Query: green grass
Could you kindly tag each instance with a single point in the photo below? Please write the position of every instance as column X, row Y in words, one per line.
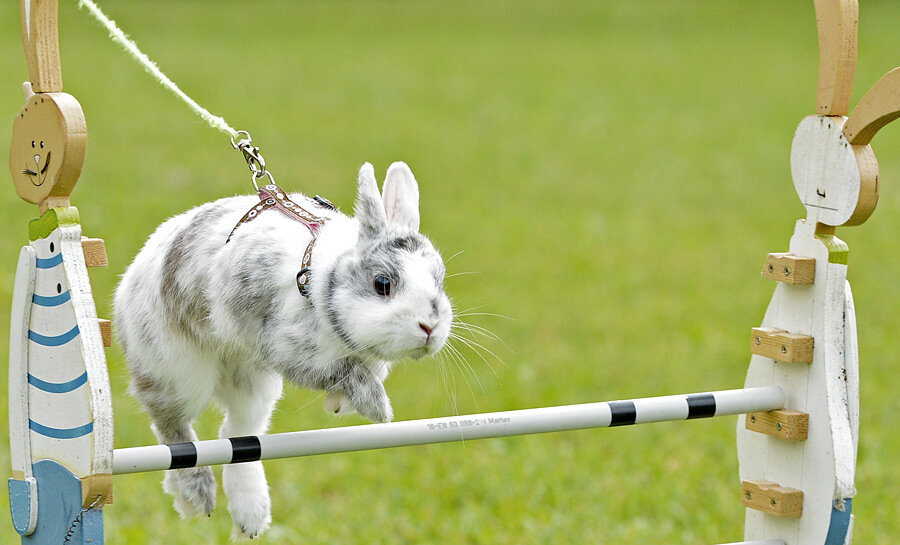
column 615, row 172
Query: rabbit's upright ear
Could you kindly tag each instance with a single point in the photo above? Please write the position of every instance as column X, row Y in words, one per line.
column 401, row 197
column 369, row 210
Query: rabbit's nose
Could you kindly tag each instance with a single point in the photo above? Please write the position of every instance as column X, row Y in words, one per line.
column 426, row 328
column 37, row 160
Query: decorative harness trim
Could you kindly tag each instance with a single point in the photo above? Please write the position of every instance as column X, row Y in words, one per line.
column 272, row 196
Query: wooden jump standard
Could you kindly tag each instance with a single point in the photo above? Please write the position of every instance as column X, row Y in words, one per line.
column 796, row 444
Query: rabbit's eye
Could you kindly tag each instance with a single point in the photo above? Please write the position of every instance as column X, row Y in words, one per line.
column 382, row 285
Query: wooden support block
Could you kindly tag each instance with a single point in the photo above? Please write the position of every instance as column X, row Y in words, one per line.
column 783, row 423
column 781, row 345
column 789, row 268
column 94, row 252
column 105, row 331
column 96, row 489
column 772, row 498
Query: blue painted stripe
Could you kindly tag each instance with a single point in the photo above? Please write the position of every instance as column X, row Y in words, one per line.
column 840, row 522
column 54, row 301
column 59, row 340
column 50, row 262
column 57, row 387
column 60, row 433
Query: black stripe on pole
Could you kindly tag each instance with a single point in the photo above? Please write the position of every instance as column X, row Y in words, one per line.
column 183, row 455
column 245, row 449
column 701, row 406
column 622, row 413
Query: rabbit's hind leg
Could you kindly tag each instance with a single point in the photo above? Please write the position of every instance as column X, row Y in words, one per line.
column 248, row 397
column 172, row 411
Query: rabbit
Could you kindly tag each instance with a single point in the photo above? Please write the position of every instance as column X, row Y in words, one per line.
column 200, row 320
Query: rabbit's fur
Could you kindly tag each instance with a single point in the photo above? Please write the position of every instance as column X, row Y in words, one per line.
column 202, row 321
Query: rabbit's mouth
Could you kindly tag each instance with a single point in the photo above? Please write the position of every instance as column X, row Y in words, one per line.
column 420, row 352
column 38, row 177
column 431, row 347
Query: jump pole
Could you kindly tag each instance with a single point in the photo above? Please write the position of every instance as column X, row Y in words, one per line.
column 447, row 429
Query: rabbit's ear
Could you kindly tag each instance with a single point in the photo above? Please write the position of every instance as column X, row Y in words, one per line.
column 401, row 197
column 369, row 210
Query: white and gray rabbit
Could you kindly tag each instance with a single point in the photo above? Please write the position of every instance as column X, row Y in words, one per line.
column 203, row 321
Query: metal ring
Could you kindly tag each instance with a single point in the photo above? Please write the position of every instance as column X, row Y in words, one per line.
column 237, row 145
column 254, row 176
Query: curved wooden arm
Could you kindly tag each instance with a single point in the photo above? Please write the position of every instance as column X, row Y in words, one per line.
column 837, row 22
column 878, row 107
column 41, row 40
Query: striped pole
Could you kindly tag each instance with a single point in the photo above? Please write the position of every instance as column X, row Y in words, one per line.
column 447, row 429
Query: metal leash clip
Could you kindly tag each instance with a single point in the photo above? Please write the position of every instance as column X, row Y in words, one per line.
column 254, row 158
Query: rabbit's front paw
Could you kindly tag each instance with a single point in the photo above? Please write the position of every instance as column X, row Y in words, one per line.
column 366, row 392
column 338, row 404
column 376, row 407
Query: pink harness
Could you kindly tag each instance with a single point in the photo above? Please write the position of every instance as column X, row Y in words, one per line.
column 272, row 196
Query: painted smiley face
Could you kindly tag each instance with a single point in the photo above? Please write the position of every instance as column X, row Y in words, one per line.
column 37, row 173
column 48, row 144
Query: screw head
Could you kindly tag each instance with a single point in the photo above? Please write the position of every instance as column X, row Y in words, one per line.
column 783, row 349
column 747, row 494
column 753, row 418
column 778, row 426
column 787, row 271
column 771, row 268
column 758, row 340
column 773, row 502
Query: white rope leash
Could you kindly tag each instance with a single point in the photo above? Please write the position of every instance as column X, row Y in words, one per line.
column 116, row 34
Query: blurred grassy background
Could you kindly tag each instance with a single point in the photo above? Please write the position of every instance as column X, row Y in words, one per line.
column 615, row 172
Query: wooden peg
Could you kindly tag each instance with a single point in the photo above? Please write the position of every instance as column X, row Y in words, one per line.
column 783, row 423
column 781, row 345
column 94, row 252
column 54, row 202
column 789, row 268
column 772, row 498
column 96, row 485
column 40, row 36
column 878, row 107
column 837, row 22
column 105, row 331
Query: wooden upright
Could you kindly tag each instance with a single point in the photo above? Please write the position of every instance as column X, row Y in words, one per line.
column 60, row 414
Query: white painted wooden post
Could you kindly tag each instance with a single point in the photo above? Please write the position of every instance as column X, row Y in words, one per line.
column 23, row 482
column 823, row 465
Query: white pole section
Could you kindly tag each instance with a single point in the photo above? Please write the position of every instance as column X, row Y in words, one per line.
column 766, row 542
column 442, row 430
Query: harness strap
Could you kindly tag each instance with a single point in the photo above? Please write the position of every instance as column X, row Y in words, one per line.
column 272, row 196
